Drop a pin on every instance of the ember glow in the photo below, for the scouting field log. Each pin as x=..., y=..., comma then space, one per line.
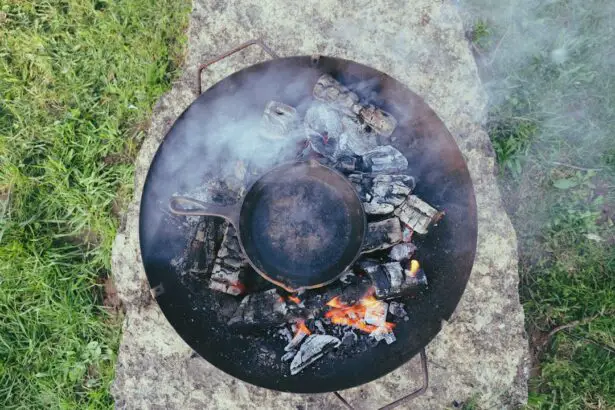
x=414, y=267
x=354, y=315
x=294, y=299
x=302, y=328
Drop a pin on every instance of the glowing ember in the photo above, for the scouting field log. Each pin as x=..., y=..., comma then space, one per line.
x=354, y=315
x=294, y=299
x=302, y=328
x=414, y=268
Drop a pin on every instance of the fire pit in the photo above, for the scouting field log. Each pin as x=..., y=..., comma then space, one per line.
x=417, y=253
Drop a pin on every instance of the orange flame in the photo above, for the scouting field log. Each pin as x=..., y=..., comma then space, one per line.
x=414, y=268
x=294, y=299
x=302, y=328
x=354, y=315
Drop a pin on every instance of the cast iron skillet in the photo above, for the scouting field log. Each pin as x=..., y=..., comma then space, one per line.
x=446, y=253
x=301, y=225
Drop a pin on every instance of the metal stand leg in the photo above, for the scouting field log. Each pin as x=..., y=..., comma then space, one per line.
x=404, y=399
x=240, y=47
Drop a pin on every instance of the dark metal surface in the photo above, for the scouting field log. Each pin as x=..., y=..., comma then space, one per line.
x=301, y=225
x=446, y=253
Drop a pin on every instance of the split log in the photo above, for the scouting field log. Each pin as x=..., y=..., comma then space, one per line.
x=279, y=121
x=385, y=158
x=417, y=214
x=390, y=280
x=382, y=235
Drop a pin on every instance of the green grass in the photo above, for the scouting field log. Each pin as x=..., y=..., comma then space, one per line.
x=77, y=82
x=552, y=124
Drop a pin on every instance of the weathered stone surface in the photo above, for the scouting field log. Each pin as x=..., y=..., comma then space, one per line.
x=481, y=351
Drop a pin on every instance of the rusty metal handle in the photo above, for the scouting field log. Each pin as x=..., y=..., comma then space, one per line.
x=240, y=47
x=407, y=397
x=182, y=205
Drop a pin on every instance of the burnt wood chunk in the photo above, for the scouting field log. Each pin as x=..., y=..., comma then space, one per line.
x=417, y=214
x=379, y=120
x=402, y=251
x=314, y=347
x=390, y=280
x=385, y=158
x=328, y=90
x=387, y=192
x=229, y=266
x=261, y=309
x=382, y=235
x=279, y=121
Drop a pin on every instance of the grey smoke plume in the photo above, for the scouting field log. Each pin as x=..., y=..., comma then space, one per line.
x=551, y=62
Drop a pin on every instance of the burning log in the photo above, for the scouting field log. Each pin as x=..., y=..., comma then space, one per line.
x=311, y=350
x=385, y=158
x=300, y=334
x=382, y=235
x=229, y=266
x=417, y=214
x=387, y=192
x=390, y=280
x=329, y=90
x=279, y=120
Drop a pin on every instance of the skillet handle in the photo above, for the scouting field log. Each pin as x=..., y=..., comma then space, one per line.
x=240, y=47
x=182, y=205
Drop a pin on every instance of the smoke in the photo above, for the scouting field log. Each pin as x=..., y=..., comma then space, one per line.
x=549, y=63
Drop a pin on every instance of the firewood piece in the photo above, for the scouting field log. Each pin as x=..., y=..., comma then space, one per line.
x=279, y=121
x=384, y=159
x=416, y=214
x=311, y=350
x=262, y=309
x=388, y=191
x=382, y=235
x=229, y=266
x=381, y=121
x=328, y=90
x=402, y=251
x=226, y=280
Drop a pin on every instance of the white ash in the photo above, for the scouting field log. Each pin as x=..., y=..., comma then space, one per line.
x=402, y=251
x=318, y=325
x=286, y=334
x=311, y=350
x=349, y=338
x=397, y=309
x=279, y=121
x=288, y=355
x=395, y=274
x=347, y=277
x=417, y=214
x=382, y=333
x=355, y=139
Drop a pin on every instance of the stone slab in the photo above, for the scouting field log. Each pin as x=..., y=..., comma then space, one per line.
x=482, y=351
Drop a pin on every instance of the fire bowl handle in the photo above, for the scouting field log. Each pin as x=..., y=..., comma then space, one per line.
x=182, y=205
x=407, y=397
x=240, y=47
